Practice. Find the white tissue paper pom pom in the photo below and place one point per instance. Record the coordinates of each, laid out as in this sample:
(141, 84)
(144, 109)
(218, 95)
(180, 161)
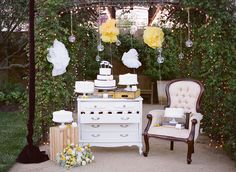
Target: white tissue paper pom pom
(59, 57)
(130, 59)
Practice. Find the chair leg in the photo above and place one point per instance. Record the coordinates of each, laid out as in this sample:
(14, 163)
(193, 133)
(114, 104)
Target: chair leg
(193, 148)
(190, 151)
(171, 145)
(146, 140)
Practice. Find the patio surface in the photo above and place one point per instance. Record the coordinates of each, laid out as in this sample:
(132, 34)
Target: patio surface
(160, 159)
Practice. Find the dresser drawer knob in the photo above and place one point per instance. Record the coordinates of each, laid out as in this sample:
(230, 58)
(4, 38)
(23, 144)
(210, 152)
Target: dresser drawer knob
(124, 125)
(125, 118)
(95, 119)
(95, 135)
(124, 106)
(95, 126)
(124, 135)
(95, 106)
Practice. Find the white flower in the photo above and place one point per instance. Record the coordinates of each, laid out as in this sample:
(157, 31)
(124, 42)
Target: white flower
(83, 163)
(79, 154)
(79, 160)
(92, 158)
(87, 159)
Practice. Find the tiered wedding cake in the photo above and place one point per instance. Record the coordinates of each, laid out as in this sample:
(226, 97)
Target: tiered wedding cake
(105, 78)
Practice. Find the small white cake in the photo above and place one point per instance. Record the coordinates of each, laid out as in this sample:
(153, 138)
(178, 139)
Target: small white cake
(105, 71)
(62, 116)
(105, 84)
(128, 79)
(105, 77)
(84, 87)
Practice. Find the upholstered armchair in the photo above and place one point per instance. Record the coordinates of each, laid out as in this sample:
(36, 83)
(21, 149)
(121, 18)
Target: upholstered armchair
(181, 93)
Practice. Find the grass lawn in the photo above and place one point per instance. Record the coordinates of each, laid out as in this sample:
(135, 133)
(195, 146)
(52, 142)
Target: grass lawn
(12, 137)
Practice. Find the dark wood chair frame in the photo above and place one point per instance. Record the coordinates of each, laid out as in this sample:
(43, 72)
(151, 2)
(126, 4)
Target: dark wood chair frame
(189, 140)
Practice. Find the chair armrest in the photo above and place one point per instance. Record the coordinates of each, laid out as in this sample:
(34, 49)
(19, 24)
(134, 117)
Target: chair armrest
(192, 131)
(157, 116)
(196, 117)
(154, 117)
(149, 117)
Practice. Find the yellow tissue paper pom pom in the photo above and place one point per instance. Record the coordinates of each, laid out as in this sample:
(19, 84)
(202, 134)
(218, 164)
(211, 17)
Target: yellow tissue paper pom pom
(153, 37)
(109, 31)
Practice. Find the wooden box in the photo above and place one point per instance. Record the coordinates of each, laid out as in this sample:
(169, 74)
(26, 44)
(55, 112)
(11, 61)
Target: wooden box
(120, 94)
(60, 138)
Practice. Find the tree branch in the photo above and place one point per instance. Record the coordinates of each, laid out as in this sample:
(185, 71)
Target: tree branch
(14, 65)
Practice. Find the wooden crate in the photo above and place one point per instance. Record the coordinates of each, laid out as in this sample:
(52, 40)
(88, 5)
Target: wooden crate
(100, 93)
(60, 138)
(120, 94)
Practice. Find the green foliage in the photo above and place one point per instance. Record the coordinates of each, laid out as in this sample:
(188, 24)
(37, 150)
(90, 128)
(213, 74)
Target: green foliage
(11, 93)
(13, 131)
(56, 93)
(214, 55)
(211, 60)
(13, 16)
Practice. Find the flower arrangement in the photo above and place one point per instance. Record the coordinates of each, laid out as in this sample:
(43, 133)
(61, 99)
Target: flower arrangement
(74, 155)
(153, 37)
(109, 31)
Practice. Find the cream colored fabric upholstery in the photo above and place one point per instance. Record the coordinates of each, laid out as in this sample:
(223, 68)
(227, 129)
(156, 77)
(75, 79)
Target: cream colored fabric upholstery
(157, 116)
(184, 94)
(167, 131)
(173, 132)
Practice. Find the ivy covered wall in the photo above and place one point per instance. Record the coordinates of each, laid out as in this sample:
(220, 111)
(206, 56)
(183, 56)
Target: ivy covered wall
(212, 59)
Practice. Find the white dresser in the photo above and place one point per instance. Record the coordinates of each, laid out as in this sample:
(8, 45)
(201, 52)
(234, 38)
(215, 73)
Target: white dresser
(108, 122)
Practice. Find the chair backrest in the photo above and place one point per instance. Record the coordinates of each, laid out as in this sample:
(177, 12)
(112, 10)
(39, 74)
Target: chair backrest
(184, 93)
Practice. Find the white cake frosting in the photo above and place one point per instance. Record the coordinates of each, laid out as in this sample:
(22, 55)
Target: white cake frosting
(128, 79)
(105, 77)
(62, 116)
(105, 71)
(105, 84)
(84, 87)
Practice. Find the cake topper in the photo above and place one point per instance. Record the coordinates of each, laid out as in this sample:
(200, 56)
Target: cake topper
(105, 64)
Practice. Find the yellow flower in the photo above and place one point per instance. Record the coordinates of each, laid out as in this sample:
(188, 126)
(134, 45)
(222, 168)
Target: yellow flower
(79, 149)
(69, 151)
(109, 31)
(153, 37)
(63, 158)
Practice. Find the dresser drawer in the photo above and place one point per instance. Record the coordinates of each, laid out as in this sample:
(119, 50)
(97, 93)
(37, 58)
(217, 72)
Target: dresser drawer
(101, 118)
(110, 136)
(88, 107)
(109, 127)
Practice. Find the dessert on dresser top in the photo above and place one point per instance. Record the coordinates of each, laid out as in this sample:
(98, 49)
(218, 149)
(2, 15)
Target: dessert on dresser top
(62, 116)
(105, 78)
(128, 80)
(84, 87)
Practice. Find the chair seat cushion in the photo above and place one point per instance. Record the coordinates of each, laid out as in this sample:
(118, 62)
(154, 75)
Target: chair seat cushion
(169, 131)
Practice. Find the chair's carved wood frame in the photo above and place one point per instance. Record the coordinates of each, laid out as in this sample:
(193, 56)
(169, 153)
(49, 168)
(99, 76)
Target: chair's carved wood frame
(190, 139)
